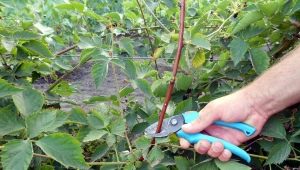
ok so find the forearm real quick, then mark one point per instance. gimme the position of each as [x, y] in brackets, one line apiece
[279, 87]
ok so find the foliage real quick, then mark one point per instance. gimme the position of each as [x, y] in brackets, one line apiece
[227, 45]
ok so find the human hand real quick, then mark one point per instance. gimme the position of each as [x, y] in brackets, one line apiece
[236, 107]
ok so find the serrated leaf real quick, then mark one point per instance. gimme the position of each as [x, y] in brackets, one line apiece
[87, 54]
[200, 41]
[16, 155]
[238, 49]
[110, 139]
[100, 151]
[28, 101]
[63, 148]
[7, 89]
[183, 106]
[182, 163]
[231, 165]
[142, 142]
[89, 42]
[63, 89]
[78, 115]
[9, 121]
[95, 120]
[274, 128]
[118, 127]
[99, 72]
[279, 153]
[155, 156]
[94, 135]
[199, 59]
[260, 60]
[126, 91]
[26, 35]
[44, 121]
[159, 87]
[269, 8]
[144, 86]
[247, 19]
[126, 44]
[8, 44]
[38, 48]
[130, 69]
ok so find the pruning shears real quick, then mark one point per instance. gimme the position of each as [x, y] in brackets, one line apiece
[174, 123]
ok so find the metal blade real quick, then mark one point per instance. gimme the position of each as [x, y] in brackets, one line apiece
[170, 125]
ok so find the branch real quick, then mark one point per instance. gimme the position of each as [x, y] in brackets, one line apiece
[175, 69]
[147, 33]
[62, 77]
[151, 12]
[66, 50]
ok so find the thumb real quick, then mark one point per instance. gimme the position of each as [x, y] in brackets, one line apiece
[202, 122]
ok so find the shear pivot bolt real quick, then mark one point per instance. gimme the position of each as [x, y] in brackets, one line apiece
[174, 121]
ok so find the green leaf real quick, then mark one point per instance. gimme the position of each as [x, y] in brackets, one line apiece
[142, 142]
[183, 82]
[130, 69]
[7, 89]
[231, 165]
[38, 48]
[238, 49]
[89, 42]
[182, 163]
[274, 128]
[185, 105]
[44, 121]
[99, 72]
[144, 86]
[159, 87]
[126, 44]
[44, 29]
[279, 153]
[76, 6]
[199, 41]
[28, 101]
[94, 135]
[9, 121]
[95, 120]
[63, 148]
[269, 8]
[260, 60]
[77, 115]
[158, 52]
[126, 91]
[155, 156]
[118, 127]
[100, 151]
[246, 20]
[110, 139]
[8, 44]
[26, 35]
[63, 89]
[16, 155]
[206, 165]
[199, 59]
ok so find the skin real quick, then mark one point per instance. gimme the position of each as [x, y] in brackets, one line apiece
[254, 104]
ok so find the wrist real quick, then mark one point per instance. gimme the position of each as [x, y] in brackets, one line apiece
[258, 102]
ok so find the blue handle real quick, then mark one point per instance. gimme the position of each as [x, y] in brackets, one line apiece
[194, 138]
[243, 127]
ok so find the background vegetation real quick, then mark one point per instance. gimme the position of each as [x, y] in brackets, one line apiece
[227, 44]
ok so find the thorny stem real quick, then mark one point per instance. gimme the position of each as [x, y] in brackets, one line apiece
[175, 68]
[151, 12]
[148, 35]
[66, 50]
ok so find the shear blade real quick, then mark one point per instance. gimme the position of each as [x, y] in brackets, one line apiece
[170, 125]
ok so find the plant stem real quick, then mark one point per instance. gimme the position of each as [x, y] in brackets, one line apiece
[63, 77]
[175, 69]
[148, 35]
[41, 155]
[151, 12]
[221, 26]
[106, 163]
[64, 101]
[66, 50]
[5, 63]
